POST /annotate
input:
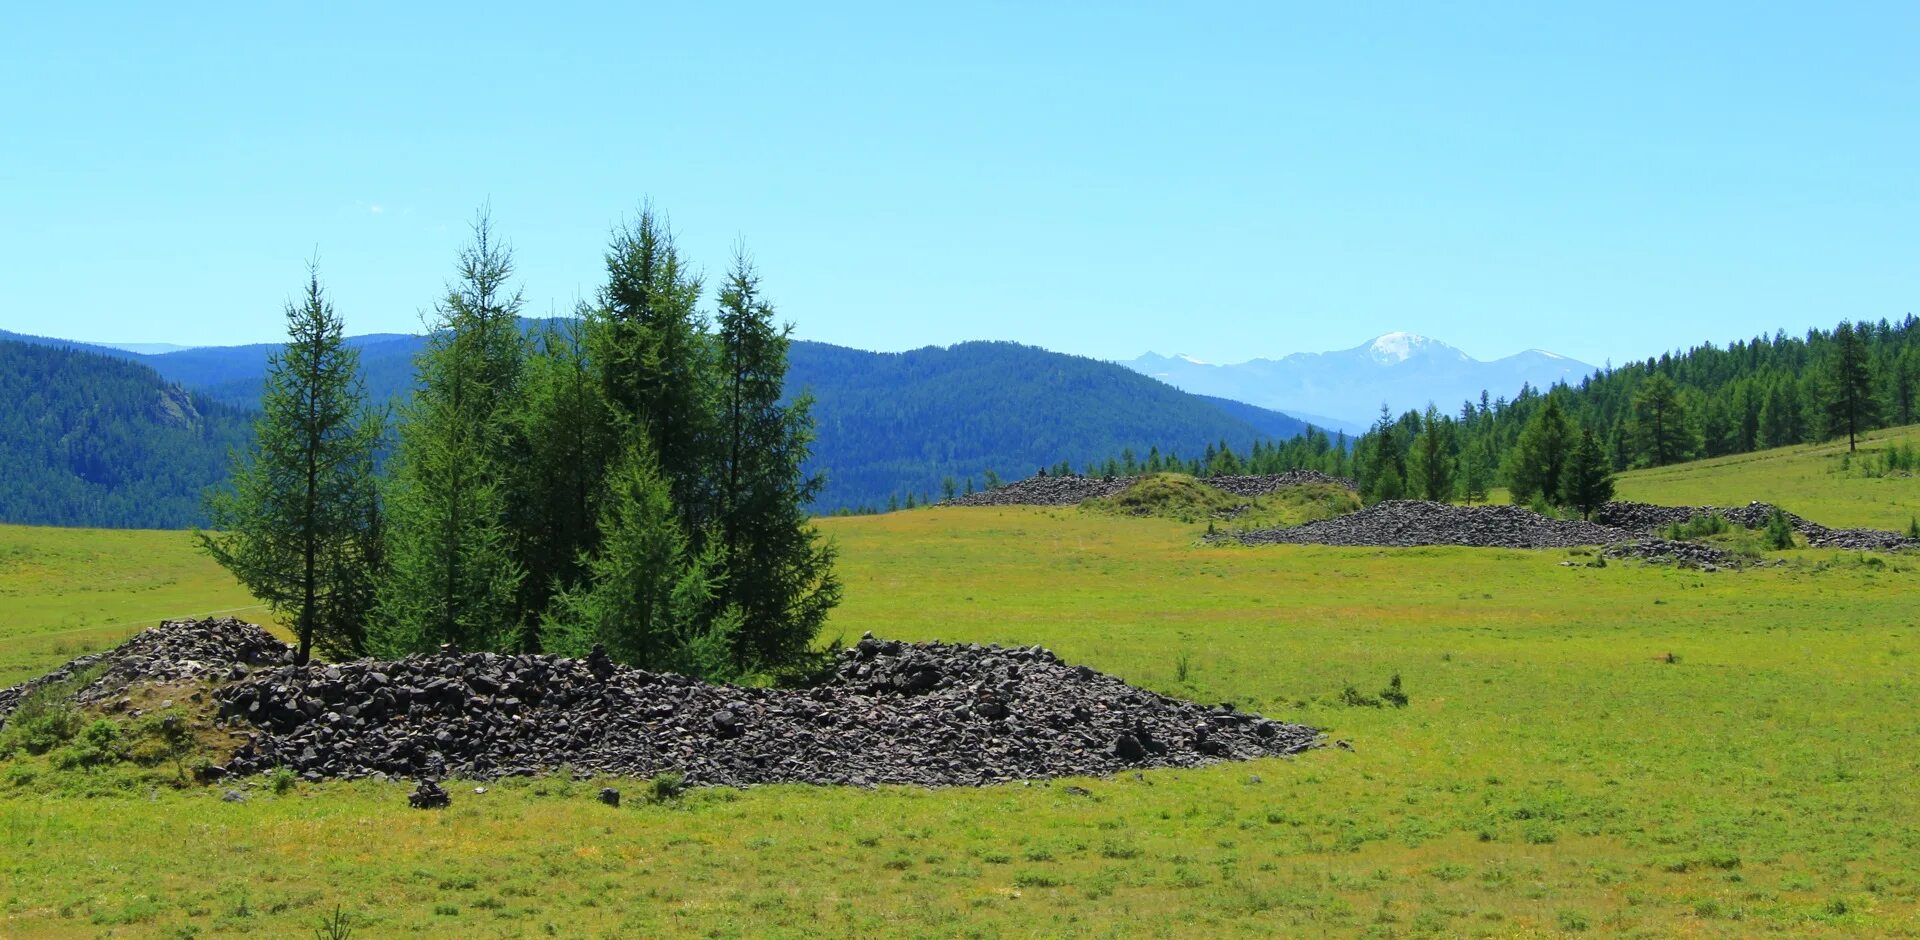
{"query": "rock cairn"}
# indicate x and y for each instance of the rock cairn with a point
(1045, 491)
(1401, 523)
(929, 714)
(1685, 554)
(1267, 484)
(174, 651)
(1651, 519)
(1073, 490)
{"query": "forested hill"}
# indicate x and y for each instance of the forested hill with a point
(89, 439)
(897, 423)
(890, 424)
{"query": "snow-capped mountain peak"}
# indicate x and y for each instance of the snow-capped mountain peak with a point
(1402, 369)
(1399, 346)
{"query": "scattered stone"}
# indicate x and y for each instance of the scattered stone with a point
(611, 797)
(429, 795)
(233, 796)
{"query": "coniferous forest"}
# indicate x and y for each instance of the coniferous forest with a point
(95, 440)
(1709, 401)
(632, 482)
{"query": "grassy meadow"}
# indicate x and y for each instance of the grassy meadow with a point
(1629, 750)
(1818, 481)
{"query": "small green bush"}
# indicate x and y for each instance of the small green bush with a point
(1393, 694)
(1698, 527)
(1779, 533)
(666, 787)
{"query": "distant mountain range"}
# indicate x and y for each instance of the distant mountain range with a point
(1344, 389)
(889, 423)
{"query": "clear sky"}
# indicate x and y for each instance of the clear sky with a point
(1227, 181)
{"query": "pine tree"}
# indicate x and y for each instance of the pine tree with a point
(1660, 430)
(1476, 462)
(451, 576)
(650, 342)
(649, 598)
(562, 434)
(299, 525)
(1848, 400)
(1587, 484)
(778, 570)
(1430, 462)
(1780, 422)
(1539, 458)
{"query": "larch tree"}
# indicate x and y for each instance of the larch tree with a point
(1430, 461)
(564, 441)
(1661, 431)
(299, 525)
(452, 577)
(777, 568)
(1848, 400)
(1587, 484)
(649, 596)
(648, 339)
(1539, 458)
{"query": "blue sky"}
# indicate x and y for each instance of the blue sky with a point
(1223, 180)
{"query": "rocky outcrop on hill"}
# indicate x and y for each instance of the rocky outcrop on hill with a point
(1267, 484)
(1045, 491)
(1073, 490)
(174, 651)
(930, 714)
(1651, 519)
(1402, 523)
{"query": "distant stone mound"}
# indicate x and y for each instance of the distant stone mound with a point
(929, 714)
(1401, 523)
(1074, 490)
(1651, 519)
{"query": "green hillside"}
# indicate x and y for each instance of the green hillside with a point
(88, 439)
(1818, 481)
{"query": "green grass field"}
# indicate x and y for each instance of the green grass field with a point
(66, 592)
(1631, 750)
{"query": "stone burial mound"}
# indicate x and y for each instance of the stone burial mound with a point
(929, 714)
(1648, 518)
(1074, 490)
(175, 651)
(1402, 523)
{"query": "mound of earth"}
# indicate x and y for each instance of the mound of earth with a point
(1403, 523)
(1648, 518)
(1073, 490)
(930, 714)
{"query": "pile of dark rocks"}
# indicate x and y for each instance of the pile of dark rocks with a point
(1269, 483)
(174, 651)
(1045, 491)
(1403, 523)
(1651, 519)
(1668, 551)
(1074, 490)
(929, 714)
